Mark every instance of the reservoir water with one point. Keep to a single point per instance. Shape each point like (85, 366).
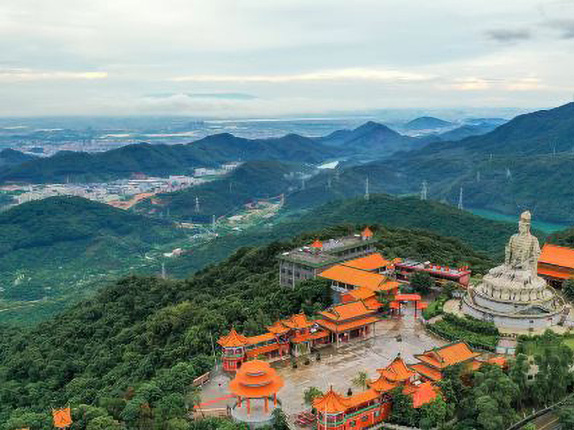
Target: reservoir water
(546, 227)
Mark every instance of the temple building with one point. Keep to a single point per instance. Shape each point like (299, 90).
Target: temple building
(308, 261)
(256, 385)
(556, 264)
(372, 406)
(348, 321)
(512, 295)
(441, 274)
(375, 263)
(433, 362)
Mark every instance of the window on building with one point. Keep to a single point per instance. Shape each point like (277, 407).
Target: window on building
(365, 418)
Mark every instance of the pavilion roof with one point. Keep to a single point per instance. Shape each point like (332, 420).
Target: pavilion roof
(427, 371)
(422, 394)
(351, 276)
(367, 232)
(317, 244)
(369, 262)
(278, 328)
(397, 371)
(558, 272)
(362, 397)
(62, 417)
(557, 256)
(408, 297)
(361, 293)
(233, 339)
(298, 321)
(447, 355)
(347, 311)
(331, 402)
(256, 379)
(382, 385)
(265, 337)
(372, 303)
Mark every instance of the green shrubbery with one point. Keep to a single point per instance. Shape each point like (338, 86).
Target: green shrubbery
(478, 334)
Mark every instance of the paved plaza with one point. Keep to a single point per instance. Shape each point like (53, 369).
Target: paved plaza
(338, 368)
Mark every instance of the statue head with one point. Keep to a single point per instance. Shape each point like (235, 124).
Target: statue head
(524, 223)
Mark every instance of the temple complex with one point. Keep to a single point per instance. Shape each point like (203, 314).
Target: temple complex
(441, 274)
(308, 261)
(512, 295)
(556, 264)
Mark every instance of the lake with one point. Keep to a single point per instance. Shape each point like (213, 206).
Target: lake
(546, 227)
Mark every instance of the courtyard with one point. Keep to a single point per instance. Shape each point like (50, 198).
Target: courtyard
(405, 335)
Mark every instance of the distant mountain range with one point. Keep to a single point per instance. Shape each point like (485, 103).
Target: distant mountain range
(427, 123)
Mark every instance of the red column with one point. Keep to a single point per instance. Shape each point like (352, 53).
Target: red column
(275, 399)
(248, 406)
(266, 404)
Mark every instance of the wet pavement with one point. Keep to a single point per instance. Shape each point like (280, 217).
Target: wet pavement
(338, 368)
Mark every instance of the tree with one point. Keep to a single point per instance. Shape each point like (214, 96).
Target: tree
(310, 394)
(519, 374)
(566, 415)
(104, 422)
(280, 420)
(433, 414)
(421, 282)
(403, 412)
(568, 289)
(361, 380)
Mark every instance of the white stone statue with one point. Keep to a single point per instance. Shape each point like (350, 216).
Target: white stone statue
(523, 249)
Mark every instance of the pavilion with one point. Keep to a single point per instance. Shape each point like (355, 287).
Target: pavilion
(256, 385)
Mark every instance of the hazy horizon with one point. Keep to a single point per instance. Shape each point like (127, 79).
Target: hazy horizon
(257, 59)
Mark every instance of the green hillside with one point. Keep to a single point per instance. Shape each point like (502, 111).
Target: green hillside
(141, 341)
(164, 160)
(432, 218)
(525, 163)
(251, 180)
(61, 247)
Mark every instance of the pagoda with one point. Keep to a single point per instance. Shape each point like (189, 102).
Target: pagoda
(256, 385)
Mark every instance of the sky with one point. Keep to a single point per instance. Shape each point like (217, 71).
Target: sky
(263, 58)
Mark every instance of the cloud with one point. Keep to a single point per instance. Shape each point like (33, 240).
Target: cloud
(221, 96)
(361, 74)
(509, 35)
(27, 75)
(565, 27)
(470, 84)
(525, 84)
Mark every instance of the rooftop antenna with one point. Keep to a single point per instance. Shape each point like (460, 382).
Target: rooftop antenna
(196, 204)
(424, 191)
(460, 205)
(367, 188)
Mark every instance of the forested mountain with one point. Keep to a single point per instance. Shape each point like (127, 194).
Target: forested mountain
(130, 353)
(10, 157)
(465, 131)
(427, 123)
(487, 237)
(165, 160)
(251, 180)
(371, 140)
(525, 163)
(60, 245)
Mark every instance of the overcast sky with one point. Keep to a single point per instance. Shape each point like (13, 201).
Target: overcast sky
(276, 57)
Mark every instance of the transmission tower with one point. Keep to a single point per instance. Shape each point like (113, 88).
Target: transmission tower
(478, 176)
(508, 174)
(302, 183)
(213, 222)
(329, 182)
(424, 191)
(163, 272)
(460, 205)
(196, 204)
(367, 188)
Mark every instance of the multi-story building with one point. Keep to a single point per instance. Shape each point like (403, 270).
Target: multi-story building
(308, 261)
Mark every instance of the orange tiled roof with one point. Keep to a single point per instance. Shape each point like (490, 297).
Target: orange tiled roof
(256, 352)
(233, 339)
(558, 273)
(372, 303)
(423, 394)
(331, 403)
(319, 334)
(397, 371)
(426, 371)
(347, 311)
(557, 256)
(317, 244)
(387, 286)
(255, 379)
(498, 360)
(367, 232)
(62, 417)
(351, 276)
(448, 355)
(338, 328)
(265, 337)
(382, 385)
(362, 397)
(408, 297)
(361, 293)
(299, 321)
(369, 262)
(278, 328)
